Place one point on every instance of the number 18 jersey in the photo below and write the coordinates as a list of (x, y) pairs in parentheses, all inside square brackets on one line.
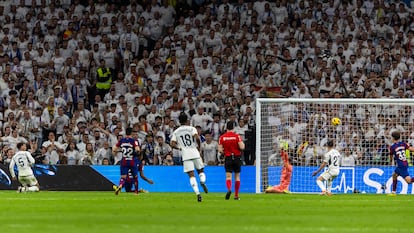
[(183, 135)]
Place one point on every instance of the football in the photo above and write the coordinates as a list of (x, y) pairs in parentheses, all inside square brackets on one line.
[(336, 121)]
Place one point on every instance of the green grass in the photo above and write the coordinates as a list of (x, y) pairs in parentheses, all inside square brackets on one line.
[(103, 212)]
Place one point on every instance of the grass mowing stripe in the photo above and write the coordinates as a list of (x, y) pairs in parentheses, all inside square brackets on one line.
[(180, 212)]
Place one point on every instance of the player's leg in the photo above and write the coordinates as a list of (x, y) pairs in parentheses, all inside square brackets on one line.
[(236, 185), (397, 172), (408, 178), (285, 178), (237, 169), (229, 170), (24, 183), (329, 186), (33, 185), (134, 174), (198, 163), (321, 182), (124, 172), (189, 169), (193, 182), (394, 182)]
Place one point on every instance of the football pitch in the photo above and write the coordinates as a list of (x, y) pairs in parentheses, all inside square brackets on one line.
[(102, 212)]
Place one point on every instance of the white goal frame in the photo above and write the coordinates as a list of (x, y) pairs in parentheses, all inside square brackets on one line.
[(260, 183)]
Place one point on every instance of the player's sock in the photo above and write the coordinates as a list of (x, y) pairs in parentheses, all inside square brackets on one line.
[(394, 185), (32, 189), (329, 185), (228, 185), (321, 185), (121, 182), (136, 184), (236, 188), (194, 185), (202, 177)]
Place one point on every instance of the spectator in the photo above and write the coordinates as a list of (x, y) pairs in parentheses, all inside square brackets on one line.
[(53, 149), (209, 150), (161, 151)]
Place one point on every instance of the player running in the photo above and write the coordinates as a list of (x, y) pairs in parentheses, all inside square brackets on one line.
[(129, 148), (186, 139), (331, 159), (397, 153), (23, 160)]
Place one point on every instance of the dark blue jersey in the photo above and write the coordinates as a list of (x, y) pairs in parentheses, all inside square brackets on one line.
[(127, 146), (397, 151)]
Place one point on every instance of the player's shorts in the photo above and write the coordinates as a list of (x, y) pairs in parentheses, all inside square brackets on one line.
[(329, 175), (129, 165), (232, 164), (192, 164), (402, 171), (28, 181)]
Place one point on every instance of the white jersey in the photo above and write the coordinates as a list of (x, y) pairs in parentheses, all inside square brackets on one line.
[(23, 160), (332, 158), (184, 136)]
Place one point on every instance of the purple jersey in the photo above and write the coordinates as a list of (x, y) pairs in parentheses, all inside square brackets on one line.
[(128, 161), (397, 151), (127, 146)]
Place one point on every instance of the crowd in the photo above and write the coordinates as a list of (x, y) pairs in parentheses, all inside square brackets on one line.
[(74, 76)]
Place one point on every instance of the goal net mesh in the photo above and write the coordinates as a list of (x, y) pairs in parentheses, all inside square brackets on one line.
[(363, 139)]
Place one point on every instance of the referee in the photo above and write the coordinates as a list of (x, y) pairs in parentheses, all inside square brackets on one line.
[(231, 145)]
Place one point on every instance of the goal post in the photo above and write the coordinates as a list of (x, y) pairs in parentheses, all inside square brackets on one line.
[(362, 137)]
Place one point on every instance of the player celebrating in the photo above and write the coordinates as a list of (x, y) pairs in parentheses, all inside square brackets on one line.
[(332, 160), (230, 145), (24, 160), (397, 152), (129, 148), (186, 139)]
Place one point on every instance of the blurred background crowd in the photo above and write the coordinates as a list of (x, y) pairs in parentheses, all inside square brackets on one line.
[(75, 74)]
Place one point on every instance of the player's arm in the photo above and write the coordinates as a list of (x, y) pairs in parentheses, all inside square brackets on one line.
[(30, 159), (198, 140), (141, 173), (241, 145), (320, 168), (11, 169)]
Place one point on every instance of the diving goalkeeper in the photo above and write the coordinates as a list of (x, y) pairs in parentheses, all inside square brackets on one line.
[(286, 175)]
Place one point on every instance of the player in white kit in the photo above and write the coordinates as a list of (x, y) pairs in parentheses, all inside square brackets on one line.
[(186, 139), (24, 160), (331, 159)]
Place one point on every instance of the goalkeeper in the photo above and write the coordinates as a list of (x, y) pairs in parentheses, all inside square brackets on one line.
[(286, 175)]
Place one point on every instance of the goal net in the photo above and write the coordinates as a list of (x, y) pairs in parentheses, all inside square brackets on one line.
[(362, 137)]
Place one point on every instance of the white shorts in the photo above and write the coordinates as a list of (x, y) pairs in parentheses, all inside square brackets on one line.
[(28, 181), (329, 175), (190, 165)]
